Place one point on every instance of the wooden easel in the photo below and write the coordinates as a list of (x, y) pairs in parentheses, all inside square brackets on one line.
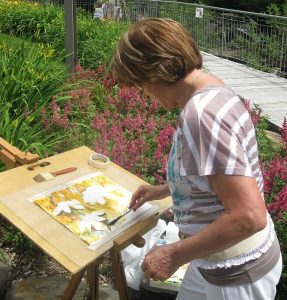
[(13, 157), (92, 270)]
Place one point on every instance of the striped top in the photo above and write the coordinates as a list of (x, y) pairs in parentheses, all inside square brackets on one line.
[(215, 136)]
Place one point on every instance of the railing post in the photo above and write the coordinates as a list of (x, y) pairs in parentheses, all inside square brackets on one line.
[(282, 53), (222, 36), (70, 8)]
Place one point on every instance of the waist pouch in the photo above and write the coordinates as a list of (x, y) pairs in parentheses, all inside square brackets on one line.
[(248, 272), (241, 247)]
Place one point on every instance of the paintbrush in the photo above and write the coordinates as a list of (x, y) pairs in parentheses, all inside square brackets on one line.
[(50, 175), (112, 222)]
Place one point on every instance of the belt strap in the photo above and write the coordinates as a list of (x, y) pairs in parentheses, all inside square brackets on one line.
[(248, 272), (239, 248)]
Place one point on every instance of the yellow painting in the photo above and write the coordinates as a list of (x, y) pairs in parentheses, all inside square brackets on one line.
[(86, 205)]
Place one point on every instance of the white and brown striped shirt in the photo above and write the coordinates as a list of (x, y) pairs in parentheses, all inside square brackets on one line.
[(215, 136)]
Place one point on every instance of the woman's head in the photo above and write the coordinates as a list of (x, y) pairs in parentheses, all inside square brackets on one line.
[(154, 51)]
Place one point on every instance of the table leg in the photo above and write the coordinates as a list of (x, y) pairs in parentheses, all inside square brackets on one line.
[(73, 285), (93, 280), (119, 273)]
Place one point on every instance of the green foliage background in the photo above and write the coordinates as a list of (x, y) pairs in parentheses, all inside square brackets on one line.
[(45, 24)]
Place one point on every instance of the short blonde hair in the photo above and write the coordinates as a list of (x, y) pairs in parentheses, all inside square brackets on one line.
[(155, 50)]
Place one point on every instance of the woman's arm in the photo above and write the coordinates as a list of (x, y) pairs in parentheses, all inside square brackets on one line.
[(244, 215), (148, 193)]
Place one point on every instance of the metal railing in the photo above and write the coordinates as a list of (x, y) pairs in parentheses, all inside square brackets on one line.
[(86, 5), (257, 40)]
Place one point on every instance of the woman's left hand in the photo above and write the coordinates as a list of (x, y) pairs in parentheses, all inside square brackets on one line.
[(160, 263)]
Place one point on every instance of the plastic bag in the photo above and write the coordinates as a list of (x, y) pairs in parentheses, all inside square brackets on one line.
[(133, 256)]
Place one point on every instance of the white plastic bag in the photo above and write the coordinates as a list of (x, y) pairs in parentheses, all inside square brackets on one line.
[(133, 256)]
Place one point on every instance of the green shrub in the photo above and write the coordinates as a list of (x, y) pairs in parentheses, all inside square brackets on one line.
[(45, 24), (97, 41), (29, 78), (14, 238)]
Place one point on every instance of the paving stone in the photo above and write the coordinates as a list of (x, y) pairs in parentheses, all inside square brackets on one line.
[(275, 138), (51, 288), (4, 272)]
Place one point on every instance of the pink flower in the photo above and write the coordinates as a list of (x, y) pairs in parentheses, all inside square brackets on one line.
[(80, 97), (284, 133), (255, 113), (274, 171), (279, 204)]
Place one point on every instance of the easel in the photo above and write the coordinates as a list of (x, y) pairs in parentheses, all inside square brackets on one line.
[(13, 157), (92, 270)]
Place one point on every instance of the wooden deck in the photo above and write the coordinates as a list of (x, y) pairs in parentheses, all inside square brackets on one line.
[(264, 89)]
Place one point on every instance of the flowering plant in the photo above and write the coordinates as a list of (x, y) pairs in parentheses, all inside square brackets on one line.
[(274, 168), (118, 122)]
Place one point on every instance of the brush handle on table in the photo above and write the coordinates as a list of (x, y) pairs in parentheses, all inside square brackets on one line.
[(64, 171)]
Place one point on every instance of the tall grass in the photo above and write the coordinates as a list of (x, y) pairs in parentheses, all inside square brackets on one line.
[(13, 41), (45, 24), (29, 78)]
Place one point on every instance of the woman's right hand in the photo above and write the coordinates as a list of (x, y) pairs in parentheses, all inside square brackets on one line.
[(146, 193)]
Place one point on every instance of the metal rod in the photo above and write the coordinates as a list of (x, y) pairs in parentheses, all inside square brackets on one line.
[(71, 32)]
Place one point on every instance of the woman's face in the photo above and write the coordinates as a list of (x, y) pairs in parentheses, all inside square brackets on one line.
[(161, 93)]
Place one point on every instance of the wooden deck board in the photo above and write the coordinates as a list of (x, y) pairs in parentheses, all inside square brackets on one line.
[(264, 89)]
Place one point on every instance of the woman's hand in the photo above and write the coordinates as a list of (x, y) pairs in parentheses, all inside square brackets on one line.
[(148, 193), (160, 263)]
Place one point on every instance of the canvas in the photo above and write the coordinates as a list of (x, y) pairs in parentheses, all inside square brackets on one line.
[(86, 205)]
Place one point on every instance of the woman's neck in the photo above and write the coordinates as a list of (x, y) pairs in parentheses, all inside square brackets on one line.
[(192, 82), (185, 88)]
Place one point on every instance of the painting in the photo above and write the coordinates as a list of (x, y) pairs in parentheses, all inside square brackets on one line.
[(86, 205)]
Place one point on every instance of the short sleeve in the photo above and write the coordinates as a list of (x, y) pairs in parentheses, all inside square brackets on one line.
[(212, 129)]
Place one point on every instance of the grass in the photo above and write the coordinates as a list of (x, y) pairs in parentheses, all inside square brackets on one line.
[(13, 41)]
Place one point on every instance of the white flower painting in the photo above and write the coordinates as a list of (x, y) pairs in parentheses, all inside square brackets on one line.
[(86, 205), (95, 194), (93, 221), (65, 206)]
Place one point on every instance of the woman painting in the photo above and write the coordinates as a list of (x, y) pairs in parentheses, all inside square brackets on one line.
[(213, 172)]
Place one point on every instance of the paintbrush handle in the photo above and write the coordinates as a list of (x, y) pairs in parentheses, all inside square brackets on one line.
[(64, 171), (112, 222)]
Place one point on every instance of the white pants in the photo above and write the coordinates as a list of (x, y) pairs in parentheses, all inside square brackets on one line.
[(195, 287)]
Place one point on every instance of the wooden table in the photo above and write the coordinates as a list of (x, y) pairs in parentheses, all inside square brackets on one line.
[(16, 185)]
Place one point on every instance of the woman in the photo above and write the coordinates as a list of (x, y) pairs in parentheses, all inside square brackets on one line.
[(213, 172)]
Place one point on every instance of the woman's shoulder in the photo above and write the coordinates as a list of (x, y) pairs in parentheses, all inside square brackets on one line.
[(218, 89), (213, 102), (209, 96), (213, 96)]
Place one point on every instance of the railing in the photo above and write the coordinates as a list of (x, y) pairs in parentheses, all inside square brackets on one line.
[(87, 5), (257, 40)]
